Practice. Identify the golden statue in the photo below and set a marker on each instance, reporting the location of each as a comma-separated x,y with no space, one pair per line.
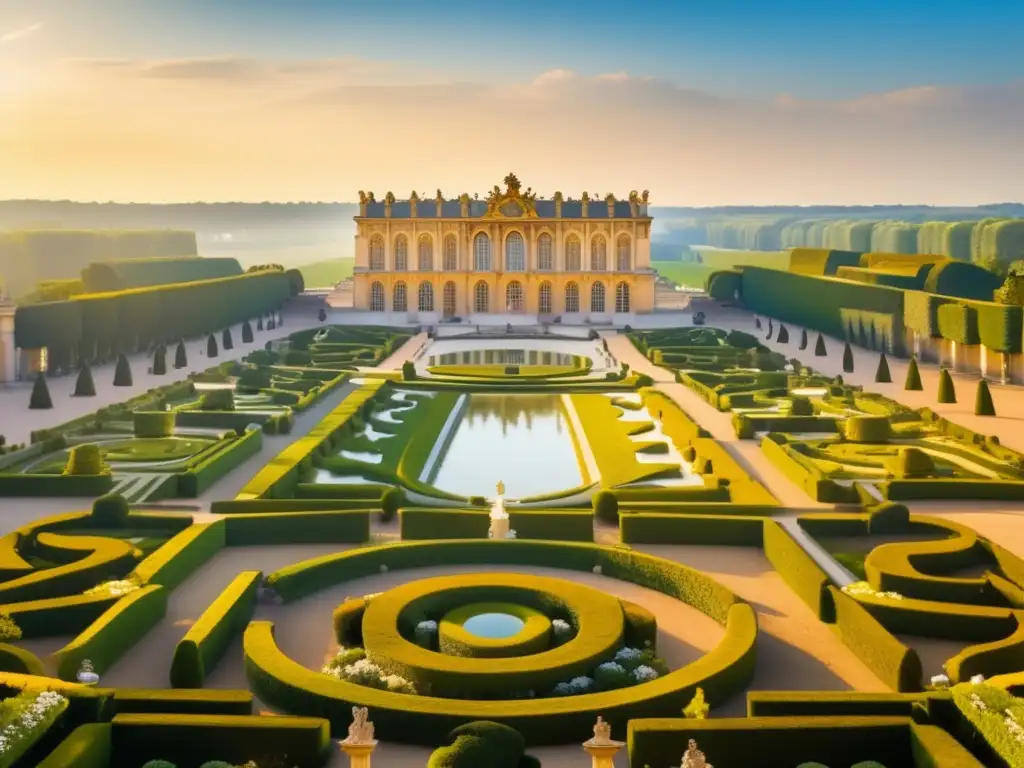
501,488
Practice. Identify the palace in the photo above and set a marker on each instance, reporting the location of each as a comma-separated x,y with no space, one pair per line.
512,254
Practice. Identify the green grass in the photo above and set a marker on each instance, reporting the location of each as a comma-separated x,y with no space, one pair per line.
140,450
325,274
853,562
685,273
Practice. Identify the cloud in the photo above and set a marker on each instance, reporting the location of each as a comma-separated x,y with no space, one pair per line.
20,34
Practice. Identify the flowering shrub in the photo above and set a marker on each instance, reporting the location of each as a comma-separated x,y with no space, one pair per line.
863,589
351,665
23,719
997,715
561,631
9,630
631,666
575,686
115,588
426,634
645,674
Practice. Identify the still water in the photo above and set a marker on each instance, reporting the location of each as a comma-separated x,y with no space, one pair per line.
523,440
501,357
494,626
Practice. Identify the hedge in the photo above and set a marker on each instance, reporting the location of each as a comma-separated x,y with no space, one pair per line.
990,659
182,555
115,632
820,261
724,285
314,527
798,570
19,660
57,616
962,280
833,704
85,703
896,665
805,474
671,528
551,524
189,740
192,483
104,276
959,323
88,746
455,640
921,312
641,626
206,641
182,701
35,486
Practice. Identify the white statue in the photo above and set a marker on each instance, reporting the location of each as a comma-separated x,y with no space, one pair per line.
361,730
499,517
602,732
86,675
694,758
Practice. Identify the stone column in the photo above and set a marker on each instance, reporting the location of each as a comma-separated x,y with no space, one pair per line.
358,754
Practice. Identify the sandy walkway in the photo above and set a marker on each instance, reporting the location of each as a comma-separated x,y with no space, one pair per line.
795,651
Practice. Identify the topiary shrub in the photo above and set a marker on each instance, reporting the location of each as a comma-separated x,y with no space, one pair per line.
226,341
689,454
606,506
122,372
888,517
783,337
867,429
218,764
160,361
211,346
479,744
947,392
180,356
40,398
246,333
110,511
757,323
801,406
84,385
819,347
912,462
217,400
392,500
408,371
803,338
322,314
705,467
770,329
913,382
9,629
847,359
86,460
882,375
983,405
154,423
259,323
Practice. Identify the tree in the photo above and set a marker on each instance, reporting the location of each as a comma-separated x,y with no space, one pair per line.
803,339
160,361
770,329
819,347
757,323
84,385
227,340
246,333
913,383
271,325
947,392
40,399
783,337
181,355
847,359
122,372
322,314
259,323
882,375
211,346
983,405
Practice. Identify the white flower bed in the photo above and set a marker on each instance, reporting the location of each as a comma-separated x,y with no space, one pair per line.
645,674
28,715
863,589
362,671
117,588
575,686
561,629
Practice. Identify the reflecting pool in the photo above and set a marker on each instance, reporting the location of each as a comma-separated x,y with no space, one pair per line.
523,440
500,357
494,626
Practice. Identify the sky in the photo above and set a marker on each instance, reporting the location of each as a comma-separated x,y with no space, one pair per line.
702,102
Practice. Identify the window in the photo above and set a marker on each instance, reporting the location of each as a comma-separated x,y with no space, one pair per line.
426,254
544,253
515,253
376,253
449,299
622,255
597,297
622,297
377,297
426,297
514,297
598,254
482,253
544,299
481,297
573,259
401,253
399,298
451,254
572,298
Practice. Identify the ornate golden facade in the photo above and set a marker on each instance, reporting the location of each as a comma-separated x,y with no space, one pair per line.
513,253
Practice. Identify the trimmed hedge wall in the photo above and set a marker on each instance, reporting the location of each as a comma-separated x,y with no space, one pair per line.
104,276
551,524
206,641
182,701
88,746
182,555
199,478
19,660
275,528
834,703
798,570
671,528
57,616
35,486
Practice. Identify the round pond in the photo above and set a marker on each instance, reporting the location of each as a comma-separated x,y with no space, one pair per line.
494,626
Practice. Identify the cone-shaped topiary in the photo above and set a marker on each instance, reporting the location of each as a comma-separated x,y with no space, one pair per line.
84,385
246,333
757,323
259,323
271,325
913,383
882,375
180,355
122,372
947,392
783,337
160,361
983,405
211,346
86,459
803,339
40,399
819,347
847,359
228,342
771,329
322,314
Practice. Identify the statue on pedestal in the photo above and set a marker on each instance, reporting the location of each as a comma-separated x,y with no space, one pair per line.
361,730
694,758
602,732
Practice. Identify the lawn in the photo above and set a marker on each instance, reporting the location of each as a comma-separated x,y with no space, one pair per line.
685,273
326,274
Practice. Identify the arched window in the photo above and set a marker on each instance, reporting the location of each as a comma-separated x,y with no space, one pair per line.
515,253
514,297
622,297
572,297
622,255
399,298
598,254
544,260
377,297
482,252
481,297
449,299
426,297
544,299
376,253
597,297
401,253
451,254
573,259
426,254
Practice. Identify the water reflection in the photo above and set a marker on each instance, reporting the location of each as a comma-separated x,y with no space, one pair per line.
500,357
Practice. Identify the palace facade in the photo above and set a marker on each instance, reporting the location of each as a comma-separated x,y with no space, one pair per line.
580,260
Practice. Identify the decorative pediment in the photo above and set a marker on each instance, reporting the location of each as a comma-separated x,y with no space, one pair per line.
512,203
